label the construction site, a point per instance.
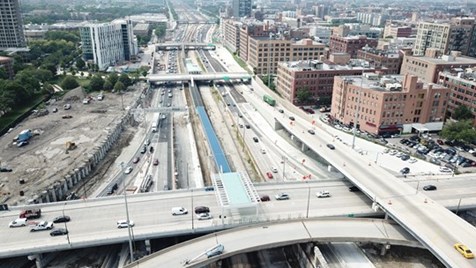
(60, 152)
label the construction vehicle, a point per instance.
(70, 146)
(31, 213)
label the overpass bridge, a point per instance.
(196, 21)
(432, 224)
(158, 78)
(184, 46)
(265, 236)
(93, 221)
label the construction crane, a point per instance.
(212, 252)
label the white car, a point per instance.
(179, 211)
(204, 216)
(18, 223)
(42, 226)
(128, 170)
(274, 170)
(123, 224)
(282, 196)
(412, 160)
(323, 194)
(446, 169)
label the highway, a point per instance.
(93, 221)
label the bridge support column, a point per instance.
(329, 168)
(319, 260)
(38, 260)
(303, 147)
(384, 249)
(147, 246)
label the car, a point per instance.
(274, 169)
(143, 150)
(281, 110)
(292, 118)
(354, 189)
(464, 250)
(247, 126)
(123, 224)
(67, 116)
(20, 222)
(59, 231)
(282, 196)
(135, 160)
(323, 194)
(446, 169)
(4, 169)
(55, 110)
(405, 170)
(429, 187)
(128, 170)
(269, 175)
(156, 162)
(440, 142)
(42, 226)
(255, 139)
(179, 211)
(204, 216)
(209, 189)
(264, 198)
(330, 146)
(405, 157)
(202, 209)
(22, 143)
(263, 151)
(312, 132)
(413, 160)
(215, 251)
(62, 218)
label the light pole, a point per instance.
(308, 199)
(457, 208)
(376, 159)
(66, 227)
(417, 186)
(192, 210)
(127, 212)
(284, 167)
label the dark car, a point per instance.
(247, 126)
(143, 150)
(265, 198)
(202, 209)
(59, 231)
(63, 218)
(312, 132)
(405, 170)
(292, 118)
(405, 157)
(209, 189)
(429, 188)
(330, 146)
(354, 189)
(255, 139)
(3, 169)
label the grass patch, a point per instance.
(242, 64)
(10, 117)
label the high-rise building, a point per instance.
(108, 44)
(11, 26)
(241, 8)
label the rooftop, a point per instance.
(387, 83)
(381, 52)
(313, 65)
(446, 59)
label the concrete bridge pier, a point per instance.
(384, 249)
(148, 248)
(303, 147)
(319, 260)
(38, 260)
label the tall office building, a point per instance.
(11, 26)
(107, 44)
(241, 8)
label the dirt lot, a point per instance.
(44, 160)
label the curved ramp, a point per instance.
(271, 235)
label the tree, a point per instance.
(80, 64)
(119, 87)
(113, 78)
(124, 78)
(3, 73)
(96, 83)
(461, 131)
(462, 112)
(107, 85)
(303, 96)
(69, 83)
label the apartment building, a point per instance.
(356, 29)
(251, 30)
(231, 34)
(389, 104)
(264, 53)
(428, 67)
(379, 59)
(455, 35)
(315, 76)
(350, 44)
(241, 8)
(462, 85)
(108, 44)
(11, 25)
(395, 31)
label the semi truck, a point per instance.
(31, 213)
(269, 100)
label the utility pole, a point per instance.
(131, 251)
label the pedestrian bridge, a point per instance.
(158, 78)
(271, 235)
(187, 46)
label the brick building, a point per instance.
(350, 44)
(463, 89)
(391, 60)
(389, 104)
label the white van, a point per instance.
(18, 222)
(179, 211)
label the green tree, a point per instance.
(107, 85)
(462, 112)
(80, 64)
(268, 80)
(119, 87)
(96, 83)
(113, 78)
(303, 96)
(461, 131)
(63, 35)
(3, 73)
(69, 82)
(124, 78)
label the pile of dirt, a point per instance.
(74, 95)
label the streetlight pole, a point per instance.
(192, 210)
(417, 186)
(457, 208)
(308, 199)
(66, 227)
(284, 167)
(131, 252)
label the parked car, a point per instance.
(59, 231)
(123, 224)
(464, 250)
(446, 169)
(282, 196)
(62, 218)
(429, 187)
(323, 194)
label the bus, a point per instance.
(269, 100)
